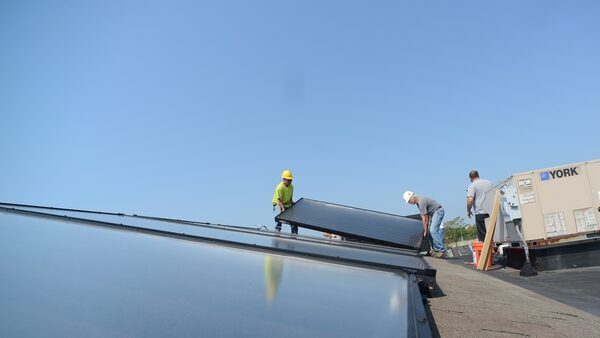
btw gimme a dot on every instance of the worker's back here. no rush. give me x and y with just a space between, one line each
477 190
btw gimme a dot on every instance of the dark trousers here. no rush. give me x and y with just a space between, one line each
293 228
480 222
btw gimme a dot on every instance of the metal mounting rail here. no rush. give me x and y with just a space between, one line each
174 220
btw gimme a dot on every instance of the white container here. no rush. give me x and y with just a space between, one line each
554 205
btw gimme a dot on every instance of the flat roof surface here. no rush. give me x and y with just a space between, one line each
578 287
476 304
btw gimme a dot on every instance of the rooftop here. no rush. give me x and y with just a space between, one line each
477 304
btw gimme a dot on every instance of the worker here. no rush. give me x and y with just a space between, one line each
282 199
475 199
432 215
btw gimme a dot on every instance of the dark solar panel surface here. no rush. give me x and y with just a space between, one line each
62 279
355 223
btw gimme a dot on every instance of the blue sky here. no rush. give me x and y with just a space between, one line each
192 109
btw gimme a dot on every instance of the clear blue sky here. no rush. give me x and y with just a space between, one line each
192 109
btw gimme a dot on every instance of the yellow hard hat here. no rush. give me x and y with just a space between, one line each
287 175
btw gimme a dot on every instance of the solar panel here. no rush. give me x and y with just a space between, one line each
349 252
62 278
361 224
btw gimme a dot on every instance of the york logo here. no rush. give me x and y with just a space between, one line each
559 173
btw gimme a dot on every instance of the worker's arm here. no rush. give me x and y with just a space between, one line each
470 201
280 203
425 219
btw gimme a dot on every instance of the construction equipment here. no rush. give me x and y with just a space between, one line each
555 205
553 213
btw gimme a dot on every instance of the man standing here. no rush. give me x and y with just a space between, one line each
475 198
282 198
432 214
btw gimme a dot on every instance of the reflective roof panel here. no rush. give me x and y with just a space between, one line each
372 226
63 279
352 252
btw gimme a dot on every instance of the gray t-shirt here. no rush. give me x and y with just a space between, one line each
477 190
427 205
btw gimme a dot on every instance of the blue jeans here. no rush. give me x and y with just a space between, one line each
436 234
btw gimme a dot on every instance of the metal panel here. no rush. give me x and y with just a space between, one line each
62 279
361 224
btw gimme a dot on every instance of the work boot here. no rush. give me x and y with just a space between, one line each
439 254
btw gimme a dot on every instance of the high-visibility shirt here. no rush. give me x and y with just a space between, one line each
284 194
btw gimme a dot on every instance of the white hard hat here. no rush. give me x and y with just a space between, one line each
407 195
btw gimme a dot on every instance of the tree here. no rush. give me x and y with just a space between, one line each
456 222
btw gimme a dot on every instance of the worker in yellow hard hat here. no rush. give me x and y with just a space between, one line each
282 198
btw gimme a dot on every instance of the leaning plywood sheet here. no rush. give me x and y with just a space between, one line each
361 224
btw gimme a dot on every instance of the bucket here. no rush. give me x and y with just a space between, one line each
477 248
